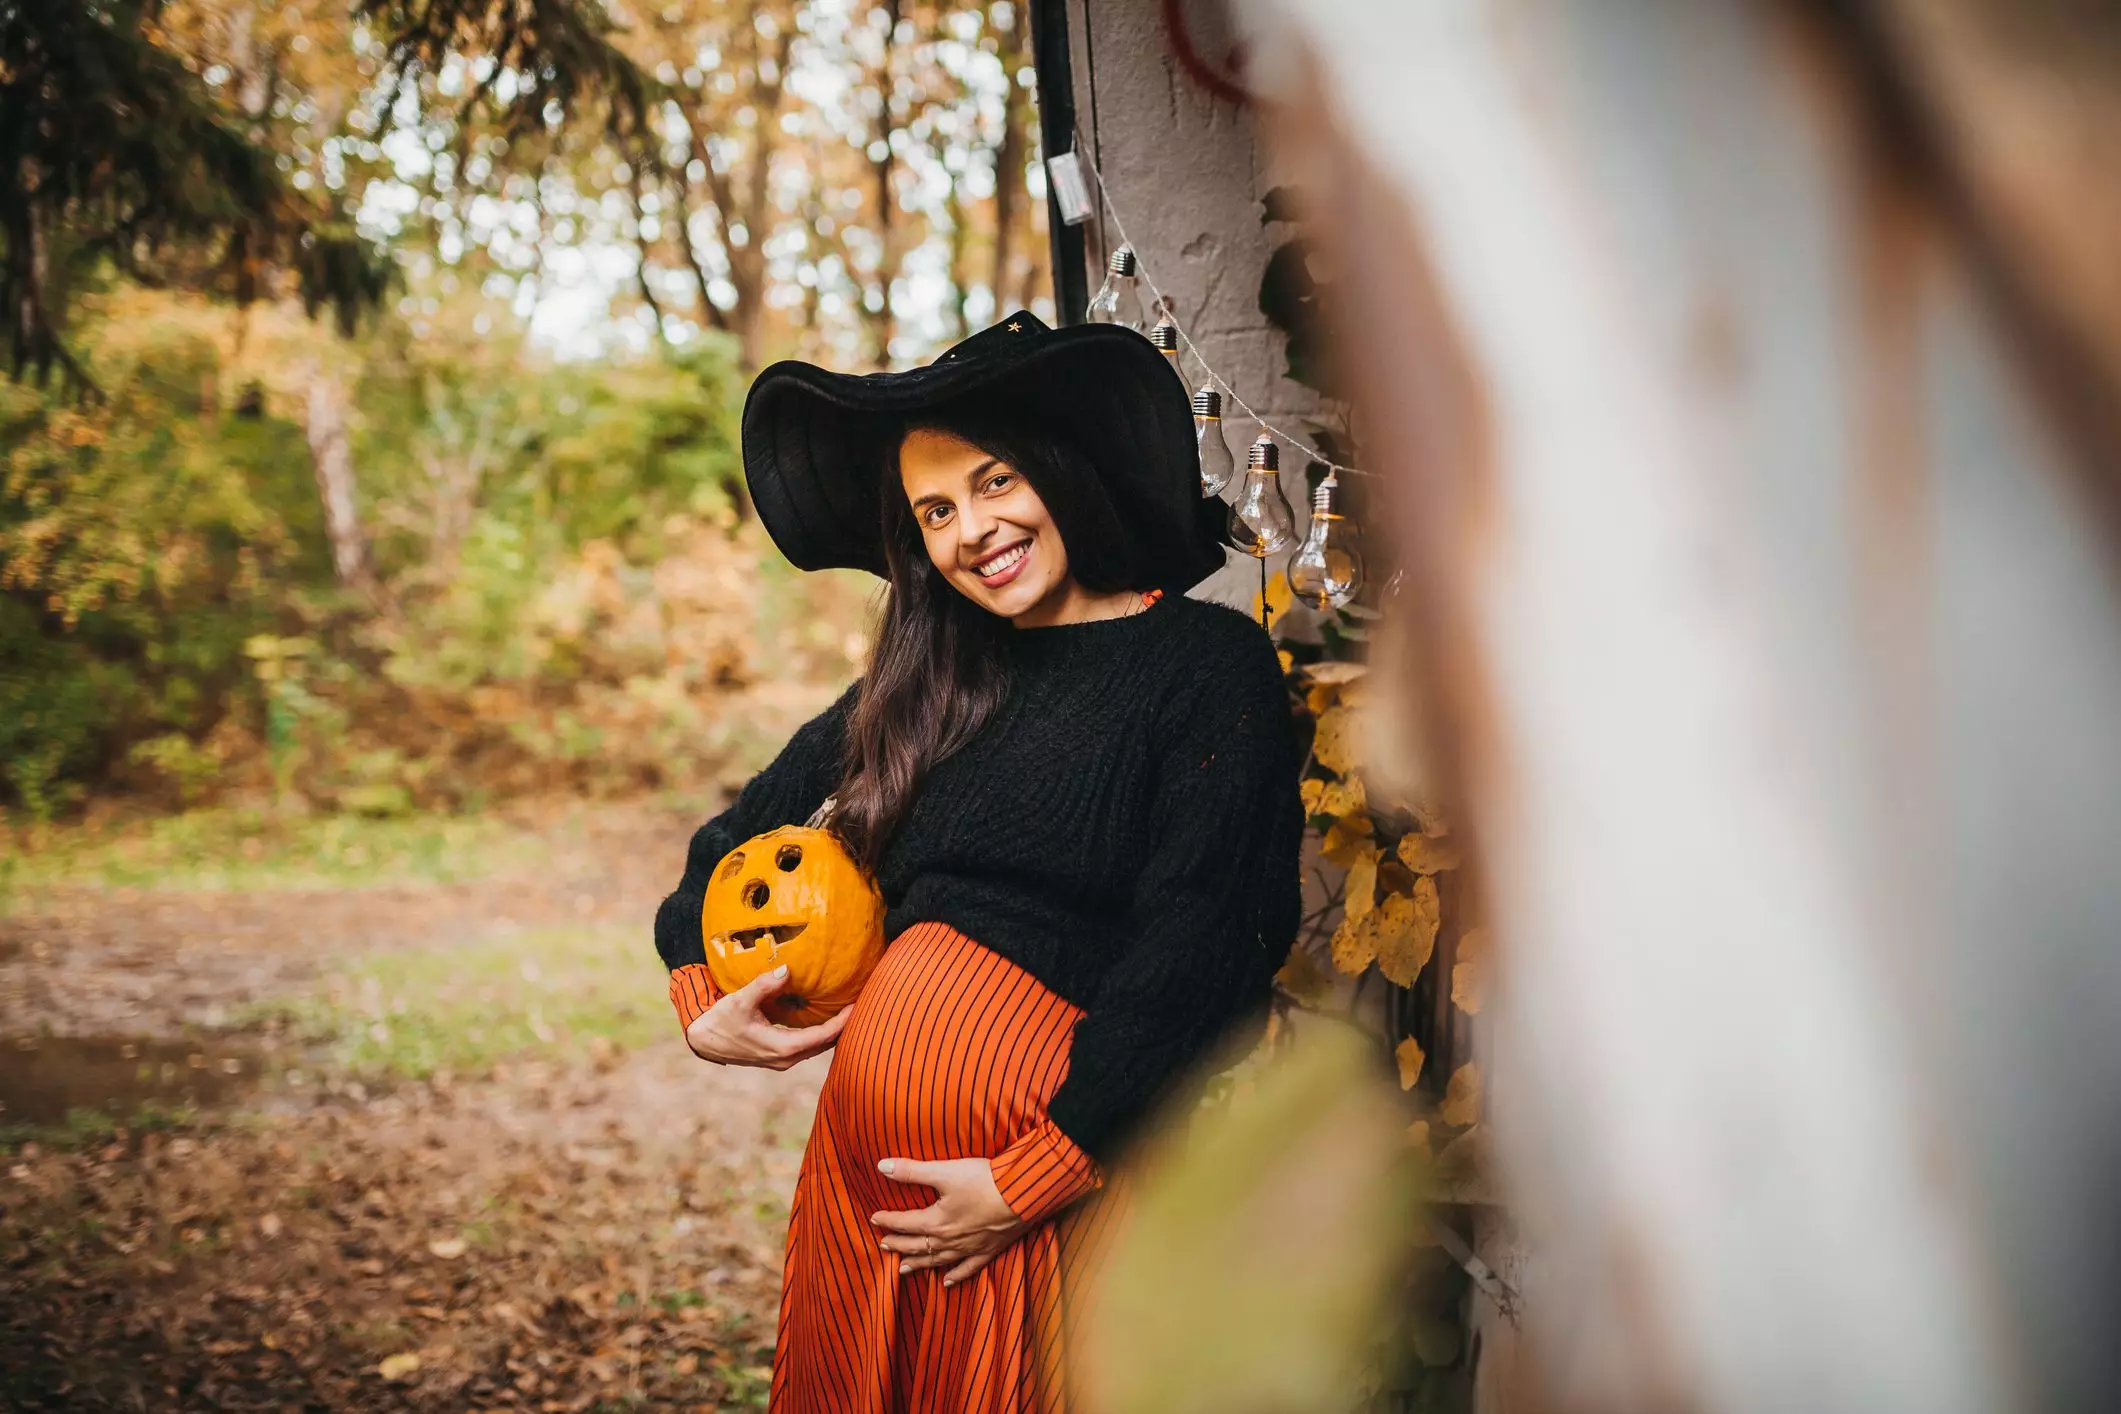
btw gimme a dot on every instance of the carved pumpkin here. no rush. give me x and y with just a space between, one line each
793 896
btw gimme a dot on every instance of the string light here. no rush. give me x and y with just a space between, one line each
1326 572
1118 279
1261 523
1118 301
1165 337
1217 467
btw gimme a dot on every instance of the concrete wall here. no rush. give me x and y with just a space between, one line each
1185 174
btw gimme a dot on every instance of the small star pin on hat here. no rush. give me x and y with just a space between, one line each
1015 328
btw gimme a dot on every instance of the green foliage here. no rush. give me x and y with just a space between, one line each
113 153
140 544
566 43
410 1014
564 584
247 850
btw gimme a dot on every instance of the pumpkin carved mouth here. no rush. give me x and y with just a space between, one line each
774 935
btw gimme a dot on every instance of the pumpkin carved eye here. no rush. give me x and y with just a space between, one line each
756 894
732 864
790 857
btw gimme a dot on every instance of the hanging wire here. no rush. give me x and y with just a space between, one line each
1163 303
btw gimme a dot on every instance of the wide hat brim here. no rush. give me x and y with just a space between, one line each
817 444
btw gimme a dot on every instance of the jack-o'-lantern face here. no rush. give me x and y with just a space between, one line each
793 896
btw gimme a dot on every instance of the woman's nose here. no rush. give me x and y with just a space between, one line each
974 527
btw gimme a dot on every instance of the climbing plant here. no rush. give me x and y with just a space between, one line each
1387 943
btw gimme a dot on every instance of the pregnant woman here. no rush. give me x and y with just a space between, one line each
1077 790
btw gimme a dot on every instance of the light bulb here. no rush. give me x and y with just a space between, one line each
1326 572
1260 522
1217 466
1165 337
1118 300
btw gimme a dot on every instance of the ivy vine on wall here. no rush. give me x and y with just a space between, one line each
1389 897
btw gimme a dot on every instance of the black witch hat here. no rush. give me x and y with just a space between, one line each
820 447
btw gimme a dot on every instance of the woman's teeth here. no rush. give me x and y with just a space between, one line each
988 569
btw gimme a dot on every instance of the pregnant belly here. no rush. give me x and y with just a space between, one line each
952 1053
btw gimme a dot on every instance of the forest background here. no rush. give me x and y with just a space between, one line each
374 448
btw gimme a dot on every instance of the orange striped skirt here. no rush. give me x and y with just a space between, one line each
952 1052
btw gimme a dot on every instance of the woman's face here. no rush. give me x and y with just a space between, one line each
985 528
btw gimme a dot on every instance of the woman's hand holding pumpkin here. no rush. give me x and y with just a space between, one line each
736 1031
961 1231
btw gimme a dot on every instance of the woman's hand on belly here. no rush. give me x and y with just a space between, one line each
961 1231
735 1031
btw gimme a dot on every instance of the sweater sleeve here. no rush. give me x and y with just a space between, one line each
1215 908
785 793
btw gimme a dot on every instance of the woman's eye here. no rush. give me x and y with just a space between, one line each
1001 482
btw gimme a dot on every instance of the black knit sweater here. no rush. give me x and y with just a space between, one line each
1125 829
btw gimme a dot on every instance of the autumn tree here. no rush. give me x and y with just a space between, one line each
115 151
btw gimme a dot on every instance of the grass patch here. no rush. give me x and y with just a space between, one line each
85 1127
226 850
407 1015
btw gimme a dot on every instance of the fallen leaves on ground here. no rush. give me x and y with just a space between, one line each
581 1227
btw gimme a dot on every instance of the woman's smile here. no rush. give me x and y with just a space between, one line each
1004 565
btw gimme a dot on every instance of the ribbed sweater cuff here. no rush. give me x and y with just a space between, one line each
1043 1172
692 991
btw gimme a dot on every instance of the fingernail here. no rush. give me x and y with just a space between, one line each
948 1282
781 971
883 1166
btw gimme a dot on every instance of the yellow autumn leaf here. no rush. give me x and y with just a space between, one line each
1405 937
1288 659
399 1367
1348 840
1469 975
1360 891
1278 600
1426 854
1342 797
1302 978
1312 790
1464 1158
1461 1096
1355 943
1319 697
1428 916
1418 1135
1409 1055
1336 741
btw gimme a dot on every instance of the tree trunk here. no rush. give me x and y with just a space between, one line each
1009 161
960 219
331 456
640 246
880 320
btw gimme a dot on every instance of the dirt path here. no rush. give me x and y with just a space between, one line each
575 1226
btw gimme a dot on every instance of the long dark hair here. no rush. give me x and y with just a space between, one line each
939 668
